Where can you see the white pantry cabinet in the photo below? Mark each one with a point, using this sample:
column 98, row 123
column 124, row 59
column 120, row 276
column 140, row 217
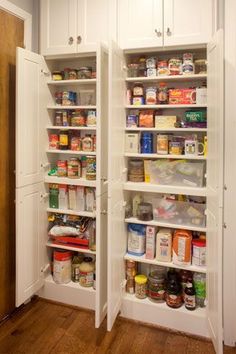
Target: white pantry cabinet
column 35, row 111
column 205, row 321
column 72, row 26
column 157, row 23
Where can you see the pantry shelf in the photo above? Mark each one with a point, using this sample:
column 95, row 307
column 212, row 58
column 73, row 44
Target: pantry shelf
column 69, row 248
column 157, row 188
column 154, row 156
column 162, row 106
column 72, row 82
column 71, row 152
column 168, row 78
column 142, row 259
column 53, row 127
column 70, row 107
column 166, row 224
column 70, row 181
column 182, row 130
column 87, row 214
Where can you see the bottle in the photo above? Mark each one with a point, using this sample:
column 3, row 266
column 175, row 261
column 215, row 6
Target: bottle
column 173, row 290
column 64, row 140
column 199, row 281
column 75, row 269
column 190, row 296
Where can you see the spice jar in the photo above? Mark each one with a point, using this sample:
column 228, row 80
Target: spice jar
column 162, row 93
column 173, row 294
column 140, row 286
column 86, row 269
column 133, row 70
column 136, row 171
column 91, row 168
column 145, row 212
column 162, row 144
column 156, row 285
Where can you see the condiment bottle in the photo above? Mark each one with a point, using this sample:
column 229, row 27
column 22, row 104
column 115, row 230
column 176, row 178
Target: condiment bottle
column 64, row 140
column 87, row 268
column 76, row 261
column 189, row 297
column 173, row 293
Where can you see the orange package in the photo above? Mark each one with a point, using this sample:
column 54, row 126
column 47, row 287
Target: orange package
column 146, row 119
column 182, row 247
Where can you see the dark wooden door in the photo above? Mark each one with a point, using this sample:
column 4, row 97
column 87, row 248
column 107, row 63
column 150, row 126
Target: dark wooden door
column 11, row 36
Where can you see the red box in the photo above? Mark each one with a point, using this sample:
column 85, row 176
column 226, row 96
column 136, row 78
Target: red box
column 182, row 96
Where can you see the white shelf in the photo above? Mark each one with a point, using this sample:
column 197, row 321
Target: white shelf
column 54, row 127
column 71, row 152
column 154, row 156
column 182, row 130
column 71, row 284
column 162, row 106
column 70, row 181
column 72, row 82
column 60, row 107
column 165, row 224
column 69, row 248
column 168, row 78
column 157, row 188
column 143, row 259
column 87, row 214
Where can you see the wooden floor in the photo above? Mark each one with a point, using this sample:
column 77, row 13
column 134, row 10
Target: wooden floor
column 42, row 327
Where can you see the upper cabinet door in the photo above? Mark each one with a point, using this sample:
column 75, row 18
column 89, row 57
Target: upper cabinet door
column 187, row 22
column 215, row 171
column 92, row 24
column 58, row 27
column 140, row 23
column 29, row 120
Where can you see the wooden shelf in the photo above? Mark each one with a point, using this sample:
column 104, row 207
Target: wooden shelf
column 168, row 189
column 169, row 106
column 143, row 259
column 158, row 156
column 166, row 224
column 87, row 214
column 54, row 127
column 70, row 181
column 60, row 107
column 72, row 82
column 182, row 130
column 69, row 248
column 71, row 152
column 168, row 78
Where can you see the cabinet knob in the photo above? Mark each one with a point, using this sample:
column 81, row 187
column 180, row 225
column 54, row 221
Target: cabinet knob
column 158, row 33
column 71, row 40
column 79, row 39
column 168, row 31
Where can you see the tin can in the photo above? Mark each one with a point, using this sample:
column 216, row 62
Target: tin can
column 91, row 168
column 61, row 168
column 75, row 143
column 58, row 98
column 78, row 119
column 74, row 168
column 53, row 141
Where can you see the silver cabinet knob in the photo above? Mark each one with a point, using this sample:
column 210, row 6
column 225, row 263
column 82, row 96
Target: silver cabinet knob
column 71, row 40
column 168, row 31
column 158, row 33
column 79, row 39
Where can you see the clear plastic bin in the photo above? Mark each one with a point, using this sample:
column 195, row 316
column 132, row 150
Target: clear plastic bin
column 177, row 212
column 177, row 172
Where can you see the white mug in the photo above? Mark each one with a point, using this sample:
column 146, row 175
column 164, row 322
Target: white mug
column 192, row 148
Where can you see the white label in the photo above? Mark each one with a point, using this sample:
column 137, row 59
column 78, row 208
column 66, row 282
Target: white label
column 136, row 243
column 199, row 256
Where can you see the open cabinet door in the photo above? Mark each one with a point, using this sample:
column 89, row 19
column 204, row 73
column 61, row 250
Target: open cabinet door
column 116, row 171
column 101, row 190
column 215, row 121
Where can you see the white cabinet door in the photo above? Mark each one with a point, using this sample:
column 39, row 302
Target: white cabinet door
column 58, row 27
column 29, row 120
column 30, row 228
column 215, row 166
column 92, row 24
column 140, row 23
column 116, row 227
column 187, row 22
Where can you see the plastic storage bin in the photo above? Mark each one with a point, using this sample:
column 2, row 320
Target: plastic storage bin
column 177, row 212
column 177, row 172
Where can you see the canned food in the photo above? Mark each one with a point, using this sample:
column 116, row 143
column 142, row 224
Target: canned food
column 61, row 168
column 53, row 141
column 78, row 119
column 58, row 118
column 74, row 168
column 91, row 168
column 72, row 75
column 75, row 143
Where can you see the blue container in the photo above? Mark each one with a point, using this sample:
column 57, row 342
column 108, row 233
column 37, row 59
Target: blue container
column 146, row 143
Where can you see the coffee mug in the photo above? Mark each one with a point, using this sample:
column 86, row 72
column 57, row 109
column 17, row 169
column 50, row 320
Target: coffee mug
column 192, row 148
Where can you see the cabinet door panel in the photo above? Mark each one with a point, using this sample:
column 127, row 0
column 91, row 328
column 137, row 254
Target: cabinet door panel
column 139, row 22
column 215, row 170
column 31, row 226
column 189, row 22
column 92, row 25
column 58, row 24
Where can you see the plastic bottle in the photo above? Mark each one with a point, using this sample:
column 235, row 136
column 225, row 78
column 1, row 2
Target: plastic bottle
column 199, row 281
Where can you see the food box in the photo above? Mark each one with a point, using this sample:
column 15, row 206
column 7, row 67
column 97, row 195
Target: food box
column 195, row 116
column 164, row 122
column 150, row 242
column 182, row 96
column 146, row 119
column 132, row 142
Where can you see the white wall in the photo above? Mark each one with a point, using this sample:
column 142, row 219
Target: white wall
column 31, row 6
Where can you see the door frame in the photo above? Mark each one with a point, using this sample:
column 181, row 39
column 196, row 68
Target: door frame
column 23, row 15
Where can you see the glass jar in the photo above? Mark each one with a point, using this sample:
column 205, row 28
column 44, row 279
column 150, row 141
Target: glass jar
column 136, row 171
column 78, row 118
column 162, row 93
column 175, row 66
column 156, row 285
column 200, row 66
column 162, row 68
column 85, row 72
column 76, row 261
column 140, row 286
column 145, row 212
column 133, row 70
column 142, row 67
column 87, row 143
column 73, row 169
column 91, row 168
column 138, row 90
column 86, row 269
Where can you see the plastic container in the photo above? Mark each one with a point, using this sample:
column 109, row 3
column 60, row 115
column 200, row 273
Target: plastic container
column 199, row 252
column 156, row 285
column 87, row 97
column 133, row 70
column 62, row 266
column 136, row 171
column 140, row 286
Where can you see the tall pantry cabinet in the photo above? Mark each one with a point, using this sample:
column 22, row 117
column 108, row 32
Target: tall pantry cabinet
column 35, row 110
column 202, row 321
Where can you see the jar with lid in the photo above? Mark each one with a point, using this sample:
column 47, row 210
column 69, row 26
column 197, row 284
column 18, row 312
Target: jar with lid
column 85, row 72
column 78, row 118
column 188, row 66
column 156, row 285
column 91, row 168
column 62, row 266
column 140, row 286
column 136, row 171
column 200, row 66
column 72, row 75
column 76, row 261
column 64, row 140
column 87, row 143
column 138, row 90
column 86, row 269
column 133, row 70
column 142, row 67
column 173, row 293
column 162, row 68
column 175, row 66
column 57, row 75
column 73, row 168
column 162, row 93
column 145, row 212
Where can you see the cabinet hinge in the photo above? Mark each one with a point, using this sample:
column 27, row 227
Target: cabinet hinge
column 225, row 187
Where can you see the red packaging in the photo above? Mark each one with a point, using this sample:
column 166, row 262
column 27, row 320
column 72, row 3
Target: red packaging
column 53, row 141
column 182, row 96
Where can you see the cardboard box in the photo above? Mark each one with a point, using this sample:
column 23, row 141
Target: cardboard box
column 165, row 122
column 132, row 142
column 150, row 242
